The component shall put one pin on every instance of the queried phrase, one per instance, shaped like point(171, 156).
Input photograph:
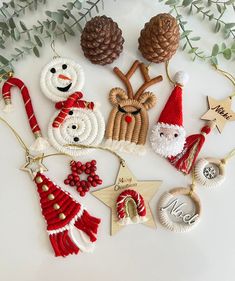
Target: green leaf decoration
point(227, 53)
point(69, 30)
point(36, 52)
point(215, 50)
point(38, 40)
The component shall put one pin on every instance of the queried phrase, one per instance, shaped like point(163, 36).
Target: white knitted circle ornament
point(172, 211)
point(60, 78)
point(80, 126)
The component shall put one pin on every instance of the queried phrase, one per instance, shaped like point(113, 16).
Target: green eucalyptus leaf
point(233, 46)
point(197, 38)
point(227, 53)
point(23, 26)
point(36, 52)
point(223, 46)
point(69, 30)
point(69, 5)
point(217, 27)
point(214, 61)
point(187, 2)
point(38, 40)
point(215, 50)
point(12, 23)
point(57, 17)
point(229, 25)
point(3, 60)
point(16, 34)
point(185, 33)
point(3, 25)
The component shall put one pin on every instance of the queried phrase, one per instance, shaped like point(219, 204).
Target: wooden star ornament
point(33, 165)
point(126, 181)
point(220, 112)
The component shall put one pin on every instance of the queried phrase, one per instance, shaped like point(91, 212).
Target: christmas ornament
point(159, 39)
point(210, 172)
point(168, 135)
point(78, 121)
point(220, 112)
point(174, 213)
point(64, 216)
point(185, 160)
point(128, 121)
point(101, 40)
point(74, 179)
point(128, 199)
point(60, 78)
point(40, 143)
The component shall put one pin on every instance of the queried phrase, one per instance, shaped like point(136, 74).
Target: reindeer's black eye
point(70, 112)
point(121, 109)
point(161, 134)
point(53, 70)
point(175, 135)
point(136, 112)
point(64, 66)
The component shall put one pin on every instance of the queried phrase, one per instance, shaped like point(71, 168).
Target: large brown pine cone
point(102, 40)
point(159, 39)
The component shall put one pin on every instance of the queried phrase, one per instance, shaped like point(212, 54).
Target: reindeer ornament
point(128, 121)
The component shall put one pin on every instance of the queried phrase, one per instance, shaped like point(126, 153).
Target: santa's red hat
point(172, 113)
point(73, 101)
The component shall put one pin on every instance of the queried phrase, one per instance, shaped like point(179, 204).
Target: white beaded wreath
point(85, 126)
point(163, 213)
point(60, 78)
point(209, 172)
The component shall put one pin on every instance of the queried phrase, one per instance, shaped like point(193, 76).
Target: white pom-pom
point(8, 108)
point(181, 78)
point(39, 145)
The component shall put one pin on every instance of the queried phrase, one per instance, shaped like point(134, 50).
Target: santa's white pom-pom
point(8, 108)
point(39, 145)
point(181, 78)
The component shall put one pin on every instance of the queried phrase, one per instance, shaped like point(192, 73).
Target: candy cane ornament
point(40, 143)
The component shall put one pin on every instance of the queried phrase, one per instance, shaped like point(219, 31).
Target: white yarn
point(39, 145)
point(134, 220)
point(202, 180)
point(164, 146)
point(8, 108)
point(90, 131)
point(125, 146)
point(50, 81)
point(166, 221)
point(181, 77)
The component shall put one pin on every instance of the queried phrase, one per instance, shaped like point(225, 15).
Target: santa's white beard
point(165, 146)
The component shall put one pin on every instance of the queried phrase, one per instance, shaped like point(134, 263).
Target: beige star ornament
point(33, 165)
point(126, 181)
point(220, 112)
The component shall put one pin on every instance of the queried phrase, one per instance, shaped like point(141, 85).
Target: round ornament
point(60, 78)
point(173, 212)
point(210, 172)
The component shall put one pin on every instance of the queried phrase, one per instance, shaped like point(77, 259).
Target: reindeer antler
point(148, 82)
point(126, 78)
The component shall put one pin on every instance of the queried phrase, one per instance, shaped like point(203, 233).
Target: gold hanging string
point(18, 137)
point(56, 55)
point(167, 72)
point(228, 157)
point(193, 184)
point(6, 75)
point(228, 75)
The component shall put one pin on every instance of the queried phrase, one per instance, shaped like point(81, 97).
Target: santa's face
point(167, 140)
point(60, 78)
point(81, 126)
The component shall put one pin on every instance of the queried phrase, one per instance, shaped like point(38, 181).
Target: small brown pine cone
point(159, 39)
point(102, 40)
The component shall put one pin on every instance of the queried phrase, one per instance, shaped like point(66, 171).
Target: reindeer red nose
point(128, 119)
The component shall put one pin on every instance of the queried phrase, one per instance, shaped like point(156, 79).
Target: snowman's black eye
point(176, 135)
point(64, 66)
point(53, 70)
point(70, 112)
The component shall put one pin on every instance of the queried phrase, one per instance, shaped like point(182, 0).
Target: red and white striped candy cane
point(40, 143)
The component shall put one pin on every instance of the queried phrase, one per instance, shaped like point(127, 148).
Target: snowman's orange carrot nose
point(61, 76)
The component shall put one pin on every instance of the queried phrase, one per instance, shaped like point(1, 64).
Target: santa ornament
point(76, 121)
point(40, 143)
point(168, 135)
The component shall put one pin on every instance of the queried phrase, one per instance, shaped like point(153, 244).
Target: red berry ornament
point(74, 179)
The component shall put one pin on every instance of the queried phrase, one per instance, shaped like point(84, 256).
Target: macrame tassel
point(62, 244)
point(185, 160)
point(88, 224)
point(39, 145)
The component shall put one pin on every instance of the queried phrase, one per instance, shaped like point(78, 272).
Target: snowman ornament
point(76, 120)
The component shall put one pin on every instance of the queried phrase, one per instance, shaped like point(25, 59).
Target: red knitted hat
point(73, 101)
point(172, 113)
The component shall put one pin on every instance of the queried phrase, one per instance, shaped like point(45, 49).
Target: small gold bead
point(62, 216)
point(56, 206)
point(51, 197)
point(45, 188)
point(39, 180)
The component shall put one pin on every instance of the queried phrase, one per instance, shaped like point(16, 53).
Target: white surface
point(136, 252)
